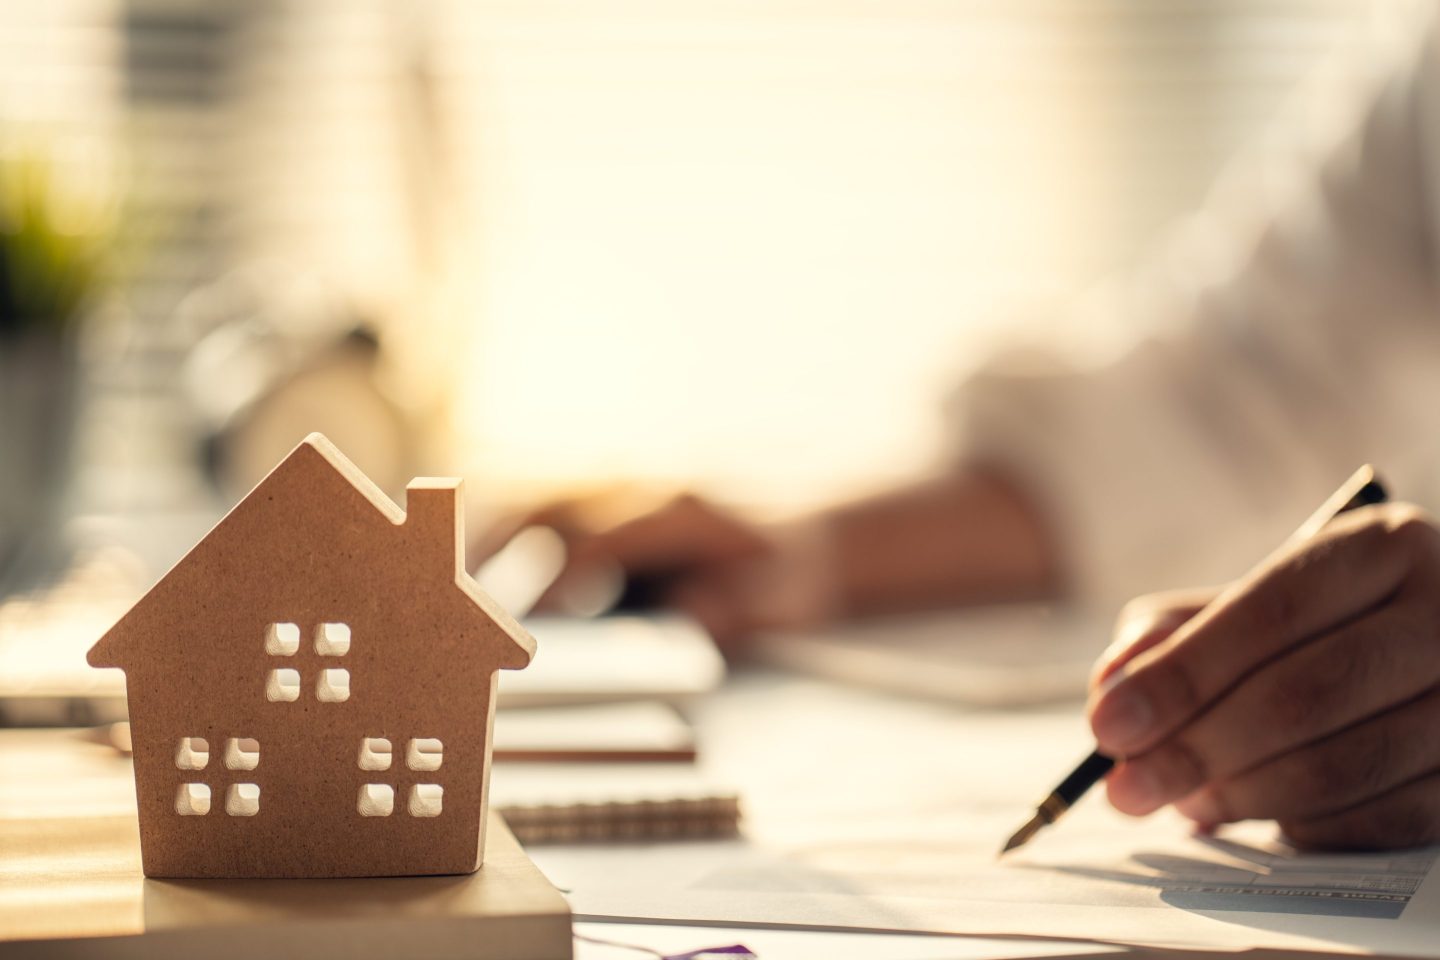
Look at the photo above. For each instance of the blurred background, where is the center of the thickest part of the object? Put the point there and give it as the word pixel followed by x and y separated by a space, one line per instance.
pixel 558 247
pixel 554 245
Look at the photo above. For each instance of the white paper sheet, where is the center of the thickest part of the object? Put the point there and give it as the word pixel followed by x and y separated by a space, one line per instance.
pixel 1200 902
pixel 621 941
pixel 850 835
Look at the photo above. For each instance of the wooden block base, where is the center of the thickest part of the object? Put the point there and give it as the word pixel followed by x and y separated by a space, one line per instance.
pixel 71 886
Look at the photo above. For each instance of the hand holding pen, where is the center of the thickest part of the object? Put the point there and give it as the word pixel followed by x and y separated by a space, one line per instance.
pixel 1308 692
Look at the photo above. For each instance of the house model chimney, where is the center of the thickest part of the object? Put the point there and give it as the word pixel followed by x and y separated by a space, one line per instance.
pixel 433 521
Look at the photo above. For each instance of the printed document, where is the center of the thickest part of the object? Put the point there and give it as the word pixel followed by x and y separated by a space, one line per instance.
pixel 891 819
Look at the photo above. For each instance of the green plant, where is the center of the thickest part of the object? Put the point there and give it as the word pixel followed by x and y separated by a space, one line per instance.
pixel 53 244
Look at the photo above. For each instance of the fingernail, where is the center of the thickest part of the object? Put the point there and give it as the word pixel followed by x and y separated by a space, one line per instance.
pixel 1123 717
pixel 1105 659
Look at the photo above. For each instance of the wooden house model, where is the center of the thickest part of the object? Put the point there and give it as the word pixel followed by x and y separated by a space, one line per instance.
pixel 312 687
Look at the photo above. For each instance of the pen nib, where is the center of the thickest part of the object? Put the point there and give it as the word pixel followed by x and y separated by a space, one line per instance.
pixel 1023 835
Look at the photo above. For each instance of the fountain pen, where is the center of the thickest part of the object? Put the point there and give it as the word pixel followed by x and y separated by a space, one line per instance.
pixel 1363 488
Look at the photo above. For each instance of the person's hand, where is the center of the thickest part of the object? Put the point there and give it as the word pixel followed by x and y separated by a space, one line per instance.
pixel 1147 622
pixel 733 576
pixel 1307 693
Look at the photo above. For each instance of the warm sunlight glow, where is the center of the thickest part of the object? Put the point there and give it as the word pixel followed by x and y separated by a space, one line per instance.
pixel 750 246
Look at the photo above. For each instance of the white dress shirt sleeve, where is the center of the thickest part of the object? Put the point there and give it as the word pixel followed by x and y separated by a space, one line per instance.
pixel 1289 335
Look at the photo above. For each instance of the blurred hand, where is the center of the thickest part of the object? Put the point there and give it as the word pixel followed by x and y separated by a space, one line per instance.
pixel 732 576
pixel 1305 693
pixel 1147 622
pixel 962 537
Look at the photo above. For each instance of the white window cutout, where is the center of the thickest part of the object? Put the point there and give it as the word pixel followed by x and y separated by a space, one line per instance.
pixel 192 800
pixel 425 799
pixel 332 639
pixel 282 639
pixel 242 753
pixel 376 800
pixel 333 686
pixel 424 754
pixel 283 685
pixel 243 800
pixel 374 753
pixel 193 754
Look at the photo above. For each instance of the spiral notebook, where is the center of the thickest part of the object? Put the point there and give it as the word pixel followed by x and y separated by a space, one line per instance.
pixel 599 803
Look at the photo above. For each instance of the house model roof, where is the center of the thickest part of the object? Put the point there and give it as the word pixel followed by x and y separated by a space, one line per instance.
pixel 319 496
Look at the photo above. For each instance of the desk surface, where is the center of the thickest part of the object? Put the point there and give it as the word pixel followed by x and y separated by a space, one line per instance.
pixel 812 760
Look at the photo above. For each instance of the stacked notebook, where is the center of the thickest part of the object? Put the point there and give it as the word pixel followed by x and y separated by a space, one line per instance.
pixel 569 803
pixel 611 772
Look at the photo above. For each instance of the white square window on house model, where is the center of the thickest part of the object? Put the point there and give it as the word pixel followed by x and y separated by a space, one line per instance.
pixel 312 686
